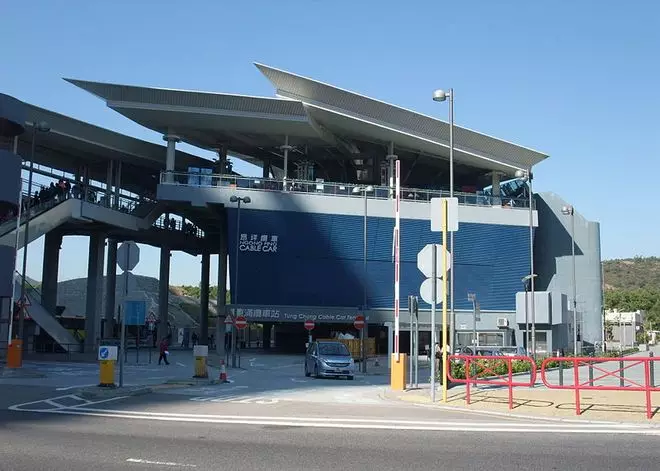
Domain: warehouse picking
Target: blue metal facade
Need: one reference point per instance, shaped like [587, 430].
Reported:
[308, 259]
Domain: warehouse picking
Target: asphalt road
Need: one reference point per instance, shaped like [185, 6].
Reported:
[32, 441]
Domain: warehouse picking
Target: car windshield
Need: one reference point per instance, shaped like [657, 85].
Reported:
[335, 349]
[509, 350]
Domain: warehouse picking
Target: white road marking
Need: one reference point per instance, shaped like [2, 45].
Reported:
[296, 380]
[57, 406]
[180, 364]
[66, 388]
[347, 423]
[160, 463]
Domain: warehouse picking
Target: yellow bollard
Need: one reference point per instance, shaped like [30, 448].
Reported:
[201, 353]
[107, 358]
[398, 372]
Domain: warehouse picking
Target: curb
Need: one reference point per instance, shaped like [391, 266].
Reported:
[19, 373]
[109, 393]
[425, 402]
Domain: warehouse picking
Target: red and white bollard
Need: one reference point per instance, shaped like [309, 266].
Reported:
[223, 372]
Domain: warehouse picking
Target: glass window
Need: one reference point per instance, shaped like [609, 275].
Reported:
[337, 349]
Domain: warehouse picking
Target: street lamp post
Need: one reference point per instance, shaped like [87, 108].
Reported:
[238, 200]
[441, 95]
[363, 353]
[40, 126]
[570, 211]
[527, 176]
[526, 284]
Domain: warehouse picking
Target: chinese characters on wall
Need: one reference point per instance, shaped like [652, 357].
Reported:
[257, 243]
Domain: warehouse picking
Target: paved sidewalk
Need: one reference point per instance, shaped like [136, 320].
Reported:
[613, 406]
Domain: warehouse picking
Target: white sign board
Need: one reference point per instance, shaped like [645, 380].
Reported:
[200, 351]
[107, 352]
[425, 260]
[426, 291]
[436, 214]
[128, 256]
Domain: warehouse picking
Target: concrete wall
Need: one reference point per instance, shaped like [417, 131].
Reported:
[552, 248]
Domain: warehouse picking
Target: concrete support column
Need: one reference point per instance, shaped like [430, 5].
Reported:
[204, 299]
[94, 290]
[391, 158]
[110, 289]
[163, 291]
[496, 189]
[117, 184]
[170, 158]
[50, 270]
[109, 184]
[267, 326]
[222, 159]
[222, 292]
[265, 171]
[286, 148]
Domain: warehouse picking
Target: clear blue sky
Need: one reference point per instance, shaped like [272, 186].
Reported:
[578, 80]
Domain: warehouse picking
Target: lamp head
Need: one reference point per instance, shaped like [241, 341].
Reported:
[41, 126]
[440, 95]
[369, 189]
[233, 199]
[246, 199]
[356, 190]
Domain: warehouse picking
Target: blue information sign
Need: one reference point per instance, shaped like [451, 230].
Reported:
[135, 312]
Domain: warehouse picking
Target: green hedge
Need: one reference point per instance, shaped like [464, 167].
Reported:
[486, 368]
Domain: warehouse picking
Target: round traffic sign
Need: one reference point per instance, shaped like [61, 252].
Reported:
[241, 322]
[359, 322]
[309, 324]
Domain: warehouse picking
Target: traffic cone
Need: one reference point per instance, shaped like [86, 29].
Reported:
[223, 372]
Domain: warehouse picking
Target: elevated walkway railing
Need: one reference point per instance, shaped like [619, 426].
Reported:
[334, 189]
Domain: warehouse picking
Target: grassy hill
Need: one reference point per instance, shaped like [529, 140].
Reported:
[633, 283]
[632, 273]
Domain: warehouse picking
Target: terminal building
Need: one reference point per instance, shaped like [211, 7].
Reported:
[312, 237]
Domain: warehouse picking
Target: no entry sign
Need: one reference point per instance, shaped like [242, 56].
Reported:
[241, 323]
[309, 324]
[359, 322]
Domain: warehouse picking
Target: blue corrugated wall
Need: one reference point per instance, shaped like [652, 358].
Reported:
[319, 260]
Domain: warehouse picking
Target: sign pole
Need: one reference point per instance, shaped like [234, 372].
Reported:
[122, 338]
[434, 300]
[412, 345]
[416, 342]
[444, 300]
[397, 239]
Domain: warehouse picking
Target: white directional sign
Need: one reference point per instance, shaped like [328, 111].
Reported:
[107, 353]
[425, 260]
[128, 256]
[426, 291]
[436, 214]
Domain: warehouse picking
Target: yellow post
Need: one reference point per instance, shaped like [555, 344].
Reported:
[107, 358]
[201, 353]
[398, 374]
[444, 300]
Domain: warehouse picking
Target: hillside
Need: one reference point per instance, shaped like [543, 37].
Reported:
[632, 273]
[632, 284]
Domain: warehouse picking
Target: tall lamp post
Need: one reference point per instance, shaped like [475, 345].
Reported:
[238, 200]
[570, 211]
[527, 177]
[41, 126]
[442, 95]
[526, 284]
[363, 354]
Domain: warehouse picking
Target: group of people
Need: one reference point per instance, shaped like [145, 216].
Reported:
[188, 228]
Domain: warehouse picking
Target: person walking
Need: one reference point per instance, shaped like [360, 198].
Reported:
[163, 351]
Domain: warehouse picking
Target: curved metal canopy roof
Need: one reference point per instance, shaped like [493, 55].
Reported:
[312, 114]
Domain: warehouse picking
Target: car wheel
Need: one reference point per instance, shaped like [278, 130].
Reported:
[307, 373]
[316, 371]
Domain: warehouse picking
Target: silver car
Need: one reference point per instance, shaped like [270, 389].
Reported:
[327, 358]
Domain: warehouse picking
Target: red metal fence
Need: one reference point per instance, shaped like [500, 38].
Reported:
[482, 370]
[600, 365]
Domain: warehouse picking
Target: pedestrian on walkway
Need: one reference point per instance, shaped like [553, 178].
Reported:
[163, 351]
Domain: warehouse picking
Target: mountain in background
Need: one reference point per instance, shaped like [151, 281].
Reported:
[633, 283]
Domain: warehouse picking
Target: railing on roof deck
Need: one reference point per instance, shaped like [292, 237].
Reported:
[334, 189]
